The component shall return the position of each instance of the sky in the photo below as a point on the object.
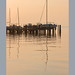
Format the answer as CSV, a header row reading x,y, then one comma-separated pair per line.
x,y
30,11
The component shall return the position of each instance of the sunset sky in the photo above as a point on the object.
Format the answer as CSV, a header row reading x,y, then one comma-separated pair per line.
x,y
31,10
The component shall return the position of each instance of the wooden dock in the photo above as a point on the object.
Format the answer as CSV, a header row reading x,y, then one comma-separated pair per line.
x,y
49,29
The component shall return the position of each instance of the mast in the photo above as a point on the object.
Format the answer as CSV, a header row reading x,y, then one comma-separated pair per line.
x,y
18,15
46,11
9,17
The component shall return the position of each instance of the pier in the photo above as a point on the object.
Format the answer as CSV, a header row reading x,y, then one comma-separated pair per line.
x,y
41,29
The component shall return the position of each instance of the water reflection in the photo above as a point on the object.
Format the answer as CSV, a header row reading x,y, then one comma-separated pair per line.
x,y
35,39
9,46
46,52
18,46
36,50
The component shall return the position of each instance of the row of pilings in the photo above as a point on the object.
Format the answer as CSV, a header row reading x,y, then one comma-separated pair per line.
x,y
43,29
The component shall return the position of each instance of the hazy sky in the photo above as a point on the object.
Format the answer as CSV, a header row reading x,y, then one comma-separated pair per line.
x,y
31,10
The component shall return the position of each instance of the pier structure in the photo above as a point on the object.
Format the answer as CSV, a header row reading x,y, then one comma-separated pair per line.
x,y
42,29
13,29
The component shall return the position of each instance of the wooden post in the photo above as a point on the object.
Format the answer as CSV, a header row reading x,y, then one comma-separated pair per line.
x,y
44,31
25,31
53,32
49,32
30,31
39,32
33,31
59,30
36,32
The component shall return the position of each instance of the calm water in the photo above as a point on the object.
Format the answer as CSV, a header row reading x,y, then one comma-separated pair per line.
x,y
38,55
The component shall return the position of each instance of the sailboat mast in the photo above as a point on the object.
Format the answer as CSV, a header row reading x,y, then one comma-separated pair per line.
x,y
9,17
46,11
18,15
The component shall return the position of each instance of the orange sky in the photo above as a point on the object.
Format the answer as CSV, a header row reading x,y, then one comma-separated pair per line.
x,y
31,10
